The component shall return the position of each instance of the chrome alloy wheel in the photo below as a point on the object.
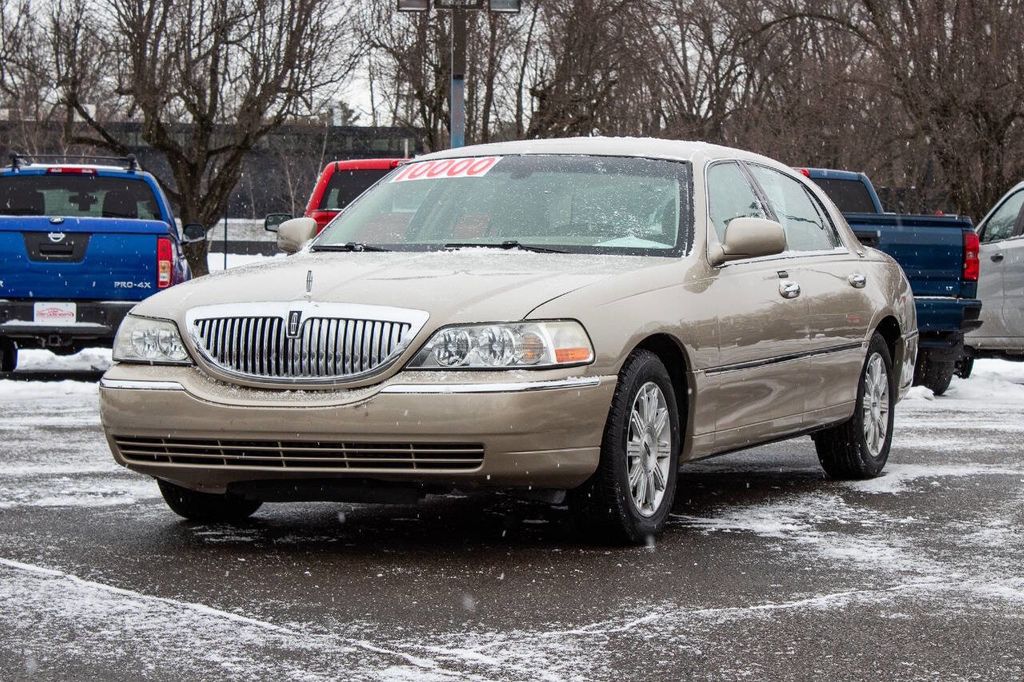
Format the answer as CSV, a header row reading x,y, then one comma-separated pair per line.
x,y
648,449
875,406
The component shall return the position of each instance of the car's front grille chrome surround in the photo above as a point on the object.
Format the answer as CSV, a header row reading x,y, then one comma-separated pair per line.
x,y
302,341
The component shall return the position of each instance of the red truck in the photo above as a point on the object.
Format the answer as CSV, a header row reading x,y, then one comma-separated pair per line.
x,y
339,183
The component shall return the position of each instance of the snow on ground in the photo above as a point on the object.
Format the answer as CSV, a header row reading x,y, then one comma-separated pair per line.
x,y
885,533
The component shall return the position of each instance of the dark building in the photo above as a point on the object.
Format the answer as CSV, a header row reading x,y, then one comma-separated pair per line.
x,y
277,174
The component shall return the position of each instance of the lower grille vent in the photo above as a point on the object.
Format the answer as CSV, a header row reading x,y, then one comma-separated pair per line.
x,y
301,455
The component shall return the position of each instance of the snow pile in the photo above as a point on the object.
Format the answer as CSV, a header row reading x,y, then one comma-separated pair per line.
x,y
90,359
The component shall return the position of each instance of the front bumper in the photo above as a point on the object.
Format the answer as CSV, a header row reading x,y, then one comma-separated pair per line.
x,y
96,322
539,430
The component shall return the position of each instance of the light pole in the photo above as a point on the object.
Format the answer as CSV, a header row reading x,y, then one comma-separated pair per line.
x,y
459,10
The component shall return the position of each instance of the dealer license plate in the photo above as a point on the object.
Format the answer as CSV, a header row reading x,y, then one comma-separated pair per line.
x,y
51,313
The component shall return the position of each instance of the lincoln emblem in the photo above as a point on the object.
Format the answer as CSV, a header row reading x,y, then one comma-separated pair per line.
x,y
294,318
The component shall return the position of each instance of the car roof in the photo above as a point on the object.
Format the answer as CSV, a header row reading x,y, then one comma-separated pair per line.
x,y
640,147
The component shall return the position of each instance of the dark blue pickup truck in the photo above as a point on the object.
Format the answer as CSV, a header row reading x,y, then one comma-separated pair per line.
x,y
939,254
80,244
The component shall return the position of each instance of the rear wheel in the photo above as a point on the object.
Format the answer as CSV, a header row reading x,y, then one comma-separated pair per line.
x,y
965,365
629,497
197,506
933,374
859,447
8,355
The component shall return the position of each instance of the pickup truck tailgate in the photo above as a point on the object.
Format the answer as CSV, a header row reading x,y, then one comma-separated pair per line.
x,y
79,258
930,249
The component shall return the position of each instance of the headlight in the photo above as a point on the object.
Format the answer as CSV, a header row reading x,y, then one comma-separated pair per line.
x,y
504,346
157,342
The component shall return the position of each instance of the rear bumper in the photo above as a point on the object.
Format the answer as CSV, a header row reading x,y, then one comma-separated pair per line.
x,y
95,322
175,424
942,321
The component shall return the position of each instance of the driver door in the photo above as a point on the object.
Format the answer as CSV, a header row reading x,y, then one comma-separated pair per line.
x,y
755,390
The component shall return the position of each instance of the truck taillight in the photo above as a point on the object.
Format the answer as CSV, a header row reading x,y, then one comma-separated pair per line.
x,y
972,265
164,262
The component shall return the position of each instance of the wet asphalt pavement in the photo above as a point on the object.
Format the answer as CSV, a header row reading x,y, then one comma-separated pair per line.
x,y
767,571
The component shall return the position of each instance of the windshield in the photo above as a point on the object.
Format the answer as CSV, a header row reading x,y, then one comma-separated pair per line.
x,y
78,196
586,204
346,185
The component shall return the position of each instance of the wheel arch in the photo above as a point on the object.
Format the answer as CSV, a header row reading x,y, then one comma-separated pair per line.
x,y
889,328
672,354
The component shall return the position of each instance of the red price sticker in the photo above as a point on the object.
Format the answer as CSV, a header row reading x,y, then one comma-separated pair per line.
x,y
475,167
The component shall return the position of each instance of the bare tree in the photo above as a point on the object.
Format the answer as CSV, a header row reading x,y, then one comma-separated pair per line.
x,y
207,78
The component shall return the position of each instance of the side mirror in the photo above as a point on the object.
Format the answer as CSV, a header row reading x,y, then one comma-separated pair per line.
x,y
193,232
272,223
749,238
293,234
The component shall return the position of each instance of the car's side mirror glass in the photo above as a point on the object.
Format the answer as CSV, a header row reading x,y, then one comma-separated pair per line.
x,y
193,232
293,234
749,238
273,222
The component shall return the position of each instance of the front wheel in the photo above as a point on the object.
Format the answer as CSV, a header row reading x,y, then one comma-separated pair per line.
x,y
196,506
630,495
859,447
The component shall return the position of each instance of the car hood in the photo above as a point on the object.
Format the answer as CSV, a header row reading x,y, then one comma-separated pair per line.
x,y
466,285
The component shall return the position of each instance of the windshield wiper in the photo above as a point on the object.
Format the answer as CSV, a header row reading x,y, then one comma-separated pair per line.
x,y
348,246
507,245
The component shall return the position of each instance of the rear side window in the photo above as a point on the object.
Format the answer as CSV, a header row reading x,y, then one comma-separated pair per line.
x,y
730,196
346,185
807,228
1001,224
851,196
77,196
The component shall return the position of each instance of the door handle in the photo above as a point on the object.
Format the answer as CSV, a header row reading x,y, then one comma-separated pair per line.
x,y
789,289
997,258
857,280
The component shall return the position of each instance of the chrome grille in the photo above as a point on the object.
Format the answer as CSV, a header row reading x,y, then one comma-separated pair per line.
x,y
300,455
328,343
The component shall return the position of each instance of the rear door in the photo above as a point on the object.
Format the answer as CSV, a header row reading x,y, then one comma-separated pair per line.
x,y
1000,254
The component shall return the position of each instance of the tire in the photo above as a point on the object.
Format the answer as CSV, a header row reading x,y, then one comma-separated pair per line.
x,y
611,506
197,506
8,355
851,450
965,365
934,375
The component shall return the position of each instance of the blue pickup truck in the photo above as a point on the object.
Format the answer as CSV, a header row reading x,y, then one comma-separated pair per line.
x,y
938,253
80,244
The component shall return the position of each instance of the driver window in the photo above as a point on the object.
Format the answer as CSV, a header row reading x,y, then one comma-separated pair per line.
x,y
730,196
1000,225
